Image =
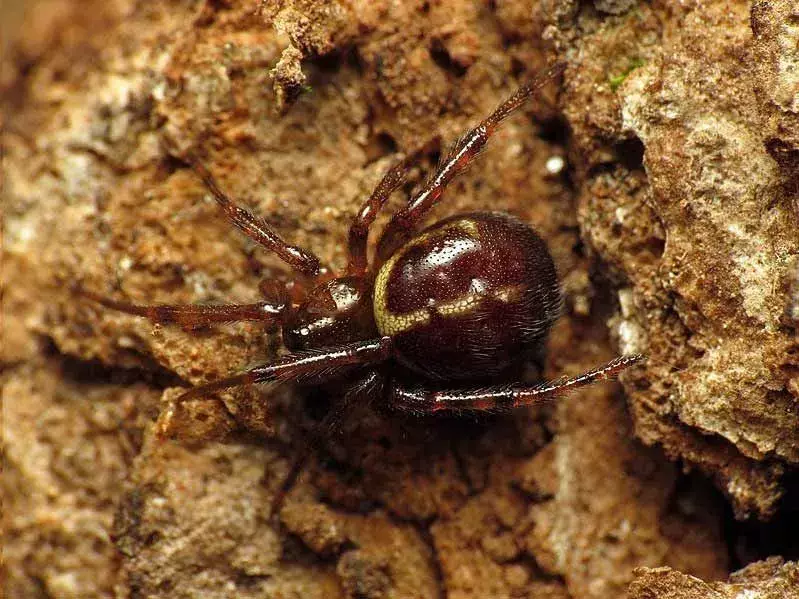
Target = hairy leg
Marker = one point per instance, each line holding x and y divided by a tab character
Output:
459	158
359	230
257	229
500	397
192	316
305	367
359	395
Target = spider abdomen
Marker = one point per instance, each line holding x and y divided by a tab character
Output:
468	297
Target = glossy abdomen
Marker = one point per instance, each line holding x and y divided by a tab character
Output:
467	297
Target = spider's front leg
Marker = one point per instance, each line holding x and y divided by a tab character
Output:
303	261
313	366
359	230
500	397
462	154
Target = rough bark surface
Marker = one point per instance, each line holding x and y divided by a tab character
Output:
768	579
661	171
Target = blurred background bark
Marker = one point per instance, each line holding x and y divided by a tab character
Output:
661	171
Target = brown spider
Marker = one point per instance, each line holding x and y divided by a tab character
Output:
463	302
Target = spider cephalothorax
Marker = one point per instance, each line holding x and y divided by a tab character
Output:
466	300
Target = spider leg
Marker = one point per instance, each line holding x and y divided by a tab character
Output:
501	397
313	366
192	316
257	229
359	229
457	160
359	395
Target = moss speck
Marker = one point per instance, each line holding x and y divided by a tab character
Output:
617	80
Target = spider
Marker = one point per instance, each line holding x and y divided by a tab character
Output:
439	321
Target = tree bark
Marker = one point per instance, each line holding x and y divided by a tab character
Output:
661	171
